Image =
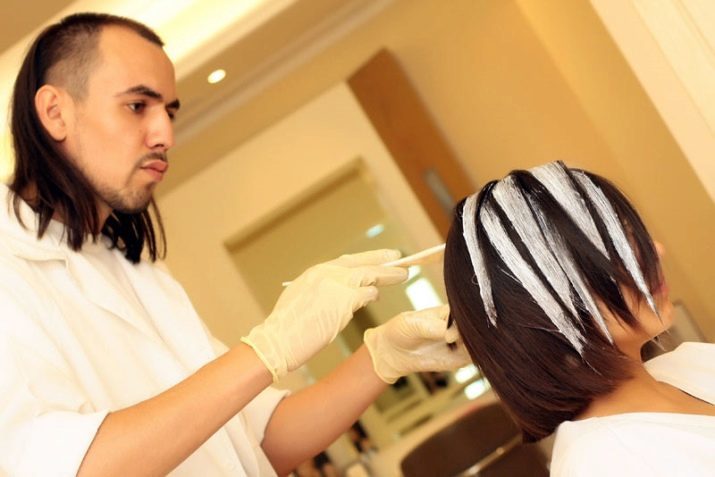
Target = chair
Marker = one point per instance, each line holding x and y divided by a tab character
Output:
485	443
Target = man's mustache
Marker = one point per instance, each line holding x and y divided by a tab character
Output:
162	156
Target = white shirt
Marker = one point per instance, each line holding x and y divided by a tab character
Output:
83	334
647	443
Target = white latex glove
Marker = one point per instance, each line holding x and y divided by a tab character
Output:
317	305
415	341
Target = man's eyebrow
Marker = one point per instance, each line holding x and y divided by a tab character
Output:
147	91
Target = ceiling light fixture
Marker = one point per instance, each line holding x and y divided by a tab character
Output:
216	76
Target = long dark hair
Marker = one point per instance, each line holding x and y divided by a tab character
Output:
56	185
534	369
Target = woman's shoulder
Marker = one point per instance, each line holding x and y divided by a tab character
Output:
593	447
685	353
634	444
690	367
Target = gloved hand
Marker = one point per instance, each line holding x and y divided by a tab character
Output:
415	341
317	305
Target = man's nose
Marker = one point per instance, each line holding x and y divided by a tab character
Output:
161	133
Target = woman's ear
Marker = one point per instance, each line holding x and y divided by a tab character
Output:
50	103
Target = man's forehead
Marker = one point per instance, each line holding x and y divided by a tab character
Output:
127	60
119	35
127	45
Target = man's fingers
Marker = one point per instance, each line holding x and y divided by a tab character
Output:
371	257
365	295
435	313
430	323
456	358
377	275
452	335
438	357
426	327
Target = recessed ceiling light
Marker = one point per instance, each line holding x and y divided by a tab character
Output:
216	76
375	230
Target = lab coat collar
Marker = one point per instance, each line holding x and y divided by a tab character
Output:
96	288
20	239
172	314
24	244
176	320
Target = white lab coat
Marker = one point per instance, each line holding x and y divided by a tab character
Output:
648	444
72	348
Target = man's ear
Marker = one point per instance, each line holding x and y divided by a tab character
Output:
51	104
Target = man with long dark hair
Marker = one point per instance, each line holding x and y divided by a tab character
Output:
105	368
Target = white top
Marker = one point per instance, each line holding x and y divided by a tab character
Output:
82	334
647	443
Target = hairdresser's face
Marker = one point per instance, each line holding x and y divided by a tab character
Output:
630	341
119	133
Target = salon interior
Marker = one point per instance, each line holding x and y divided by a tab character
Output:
313	128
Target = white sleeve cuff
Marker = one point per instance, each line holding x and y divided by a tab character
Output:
56	443
259	411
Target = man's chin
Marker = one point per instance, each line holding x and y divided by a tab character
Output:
133	211
131	207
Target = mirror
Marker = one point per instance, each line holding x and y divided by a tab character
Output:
344	214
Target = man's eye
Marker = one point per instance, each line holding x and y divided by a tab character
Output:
137	107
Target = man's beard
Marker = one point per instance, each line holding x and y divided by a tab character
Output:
129	202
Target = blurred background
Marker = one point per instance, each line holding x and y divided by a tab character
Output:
312	128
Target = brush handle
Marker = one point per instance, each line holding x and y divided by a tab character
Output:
424	256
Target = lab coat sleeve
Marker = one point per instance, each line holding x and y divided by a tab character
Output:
259	411
46	425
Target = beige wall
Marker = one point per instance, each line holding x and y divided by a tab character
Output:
512	84
643	157
670	46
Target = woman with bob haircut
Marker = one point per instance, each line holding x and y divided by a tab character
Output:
555	285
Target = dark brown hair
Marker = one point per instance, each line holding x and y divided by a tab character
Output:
534	369
66	52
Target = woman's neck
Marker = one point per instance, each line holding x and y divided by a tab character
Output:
643	393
